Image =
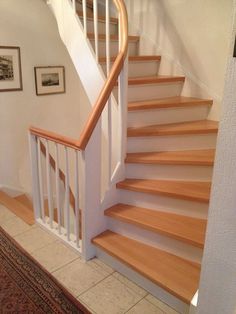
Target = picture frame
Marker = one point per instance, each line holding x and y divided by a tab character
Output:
49	80
10	69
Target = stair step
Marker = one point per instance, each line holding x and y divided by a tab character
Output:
176	275
102	37
170	102
18	208
102	19
89	3
23	199
203	157
134	59
195	127
187	229
186	190
154	79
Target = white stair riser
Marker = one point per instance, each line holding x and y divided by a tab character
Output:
141	68
164	203
156	240
152	91
164	116
101	27
175	172
133	48
171	143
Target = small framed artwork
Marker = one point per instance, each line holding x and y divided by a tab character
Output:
10	69
49	80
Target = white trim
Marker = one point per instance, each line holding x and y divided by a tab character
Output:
12	190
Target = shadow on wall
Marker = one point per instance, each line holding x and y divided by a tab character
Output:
192	38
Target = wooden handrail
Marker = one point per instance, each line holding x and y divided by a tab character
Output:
54	137
104	94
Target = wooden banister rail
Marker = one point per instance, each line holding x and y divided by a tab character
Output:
104	94
54	137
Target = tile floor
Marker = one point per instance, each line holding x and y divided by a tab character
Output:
100	288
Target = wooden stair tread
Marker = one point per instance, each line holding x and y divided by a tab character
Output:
102	37
89	3
113	20
17	208
174	274
192	127
189	157
140	80
169	102
134	58
187	229
23	199
187	190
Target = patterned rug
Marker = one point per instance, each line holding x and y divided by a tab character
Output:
25	287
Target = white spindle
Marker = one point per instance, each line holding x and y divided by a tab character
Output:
58	189
40	175
67	196
95	17
77	217
49	187
34	173
109	136
108	36
74	5
85	16
122	102
108	65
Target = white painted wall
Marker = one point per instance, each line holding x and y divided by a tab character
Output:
217	293
193	38
31	25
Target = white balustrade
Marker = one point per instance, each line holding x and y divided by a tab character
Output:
59	162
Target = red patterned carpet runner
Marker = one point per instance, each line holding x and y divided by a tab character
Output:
25	287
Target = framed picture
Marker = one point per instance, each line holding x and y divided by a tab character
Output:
10	69
49	80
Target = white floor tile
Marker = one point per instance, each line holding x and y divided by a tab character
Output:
5	214
162	306
15	226
54	256
34	239
78	276
145	307
110	296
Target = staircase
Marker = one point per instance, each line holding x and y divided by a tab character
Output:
165	195
154	227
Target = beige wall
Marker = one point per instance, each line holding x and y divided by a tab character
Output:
30	25
193	38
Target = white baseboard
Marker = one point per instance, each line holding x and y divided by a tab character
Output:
11	190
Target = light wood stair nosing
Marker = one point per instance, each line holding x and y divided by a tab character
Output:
181	158
161	222
180	128
133	253
136	59
167	103
196	191
102	37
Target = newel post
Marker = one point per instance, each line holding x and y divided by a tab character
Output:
93	220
